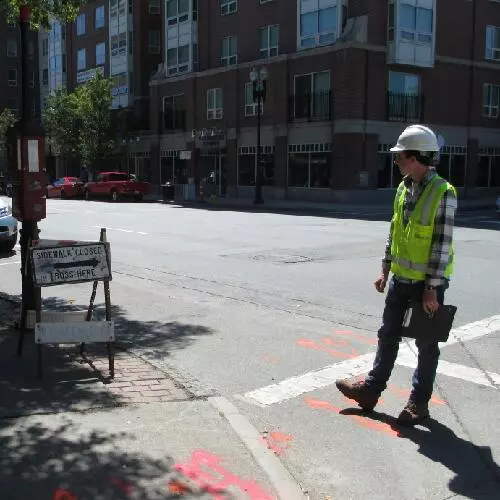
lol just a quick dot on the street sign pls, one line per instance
(70, 263)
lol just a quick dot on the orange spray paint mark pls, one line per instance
(405, 393)
(357, 336)
(358, 419)
(311, 344)
(178, 488)
(278, 442)
(62, 494)
(206, 471)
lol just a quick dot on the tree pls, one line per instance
(79, 124)
(42, 10)
(7, 121)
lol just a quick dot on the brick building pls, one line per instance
(345, 77)
(122, 40)
(11, 73)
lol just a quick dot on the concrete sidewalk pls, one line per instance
(373, 209)
(76, 435)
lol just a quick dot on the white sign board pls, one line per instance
(75, 333)
(72, 263)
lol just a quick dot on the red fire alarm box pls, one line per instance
(29, 180)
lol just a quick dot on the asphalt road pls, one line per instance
(251, 305)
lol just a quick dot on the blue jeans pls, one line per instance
(389, 337)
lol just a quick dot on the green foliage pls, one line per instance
(7, 121)
(42, 10)
(79, 124)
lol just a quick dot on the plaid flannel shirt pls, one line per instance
(443, 229)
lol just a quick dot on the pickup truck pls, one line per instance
(115, 185)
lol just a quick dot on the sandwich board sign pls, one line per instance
(70, 262)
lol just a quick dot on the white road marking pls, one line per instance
(142, 233)
(307, 382)
(124, 230)
(10, 263)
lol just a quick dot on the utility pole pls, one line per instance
(28, 192)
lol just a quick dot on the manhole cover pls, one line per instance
(283, 258)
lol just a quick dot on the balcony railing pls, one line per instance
(406, 108)
(174, 119)
(315, 106)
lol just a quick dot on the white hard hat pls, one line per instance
(417, 138)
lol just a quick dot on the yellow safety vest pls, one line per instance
(411, 243)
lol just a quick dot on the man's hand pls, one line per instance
(381, 281)
(429, 301)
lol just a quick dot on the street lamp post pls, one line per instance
(259, 84)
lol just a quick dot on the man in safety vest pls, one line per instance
(419, 253)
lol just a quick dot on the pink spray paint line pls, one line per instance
(205, 471)
(277, 442)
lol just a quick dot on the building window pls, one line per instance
(11, 47)
(404, 101)
(81, 24)
(45, 77)
(99, 17)
(228, 6)
(13, 106)
(250, 104)
(247, 165)
(174, 112)
(389, 175)
(491, 100)
(318, 22)
(178, 59)
(32, 80)
(229, 50)
(415, 23)
(100, 54)
(488, 168)
(492, 43)
(12, 77)
(214, 104)
(269, 40)
(309, 165)
(154, 6)
(312, 98)
(154, 41)
(45, 47)
(177, 11)
(33, 108)
(81, 57)
(452, 164)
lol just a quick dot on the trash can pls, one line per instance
(168, 191)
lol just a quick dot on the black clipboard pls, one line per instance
(418, 324)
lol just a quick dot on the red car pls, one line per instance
(65, 187)
(115, 185)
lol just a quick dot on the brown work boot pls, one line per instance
(365, 397)
(413, 413)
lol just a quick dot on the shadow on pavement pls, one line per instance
(474, 467)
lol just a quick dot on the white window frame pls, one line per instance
(301, 39)
(491, 110)
(228, 7)
(251, 106)
(231, 58)
(178, 18)
(81, 24)
(12, 82)
(154, 6)
(45, 47)
(154, 48)
(269, 50)
(101, 19)
(103, 54)
(215, 112)
(492, 53)
(312, 76)
(45, 81)
(415, 35)
(78, 66)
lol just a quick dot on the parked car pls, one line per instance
(65, 187)
(115, 185)
(8, 228)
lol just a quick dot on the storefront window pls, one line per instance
(452, 167)
(495, 171)
(247, 167)
(389, 175)
(483, 172)
(309, 169)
